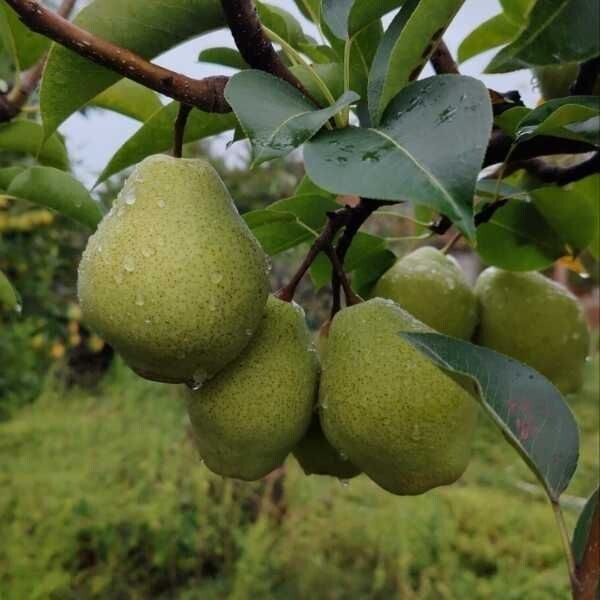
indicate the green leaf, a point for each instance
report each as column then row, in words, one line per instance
column 331, row 74
column 528, row 409
column 24, row 46
column 428, row 149
column 9, row 298
column 509, row 120
column 558, row 31
column 573, row 216
column 27, row 137
column 7, row 174
column 366, row 276
column 310, row 9
column 59, row 191
column 405, row 48
column 289, row 222
column 156, row 135
column 494, row 32
column 517, row 10
column 590, row 188
column 346, row 17
column 290, row 120
column 227, row 57
column 147, row 28
column 282, row 23
column 584, row 526
column 308, row 186
column 518, row 238
column 319, row 53
column 130, row 99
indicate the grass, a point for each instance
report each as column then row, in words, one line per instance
column 102, row 496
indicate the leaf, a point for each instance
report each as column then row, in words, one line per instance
column 517, row 10
column 367, row 275
column 130, row 99
column 289, row 222
column 9, row 297
column 156, row 135
column 310, row 9
column 526, row 407
column 59, row 191
column 228, row 57
column 584, row 526
column 319, row 53
column 346, row 17
column 147, row 28
column 494, row 32
column 24, row 46
column 558, row 31
column 428, row 149
column 290, row 120
column 26, row 137
column 331, row 74
column 405, row 48
column 509, row 120
column 282, row 23
column 590, row 188
column 7, row 174
column 518, row 238
column 573, row 216
column 307, row 186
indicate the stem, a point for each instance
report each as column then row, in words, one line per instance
column 179, row 129
column 451, row 243
column 351, row 297
column 564, row 536
column 347, row 50
column 442, row 61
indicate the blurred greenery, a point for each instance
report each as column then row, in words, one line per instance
column 102, row 496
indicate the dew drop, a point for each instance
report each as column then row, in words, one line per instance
column 161, row 204
column 148, row 321
column 129, row 264
column 344, row 482
column 129, row 197
column 416, row 432
column 343, row 455
column 118, row 278
column 139, row 300
column 199, row 377
column 121, row 211
column 147, row 252
column 212, row 306
column 216, row 278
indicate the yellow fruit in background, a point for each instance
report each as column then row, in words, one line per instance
column 432, row 287
column 57, row 350
column 173, row 278
column 249, row 417
column 95, row 343
column 535, row 320
column 403, row 421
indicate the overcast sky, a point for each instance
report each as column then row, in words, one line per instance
column 95, row 138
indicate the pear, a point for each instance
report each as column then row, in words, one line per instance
column 173, row 278
column 536, row 321
column 249, row 417
column 389, row 409
column 432, row 287
column 554, row 81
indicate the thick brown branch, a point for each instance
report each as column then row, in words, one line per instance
column 205, row 94
column 442, row 61
column 589, row 72
column 560, row 175
column 254, row 46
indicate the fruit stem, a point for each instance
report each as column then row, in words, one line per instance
column 179, row 129
column 564, row 536
column 451, row 243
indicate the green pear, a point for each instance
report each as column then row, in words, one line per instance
column 432, row 287
column 249, row 417
column 399, row 418
column 173, row 278
column 554, row 81
column 535, row 320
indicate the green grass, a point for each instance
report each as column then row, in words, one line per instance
column 102, row 496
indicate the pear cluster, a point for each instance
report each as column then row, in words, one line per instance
column 177, row 283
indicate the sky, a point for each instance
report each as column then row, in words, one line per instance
column 94, row 138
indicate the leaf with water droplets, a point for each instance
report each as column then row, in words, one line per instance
column 9, row 298
column 290, row 120
column 428, row 149
column 59, row 191
column 528, row 409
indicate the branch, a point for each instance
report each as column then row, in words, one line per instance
column 588, row 571
column 560, row 175
column 179, row 129
column 205, row 94
column 589, row 72
column 254, row 46
column 442, row 61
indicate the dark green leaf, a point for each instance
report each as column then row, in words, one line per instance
column 584, row 526
column 558, row 31
column 331, row 74
column 494, row 32
column 24, row 46
column 489, row 188
column 228, row 57
column 405, row 48
column 9, row 298
column 346, row 17
column 7, row 174
column 282, row 23
column 518, row 238
column 366, row 276
column 59, row 191
column 311, row 9
column 290, row 120
column 590, row 188
column 526, row 407
column 27, row 137
column 130, row 99
column 307, row 186
column 147, row 28
column 428, row 149
column 319, row 53
column 509, row 120
column 156, row 135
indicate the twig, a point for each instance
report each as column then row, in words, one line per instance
column 451, row 243
column 560, row 175
column 564, row 536
column 338, row 269
column 179, row 129
column 205, row 94
column 588, row 571
column 253, row 44
column 589, row 72
column 442, row 61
